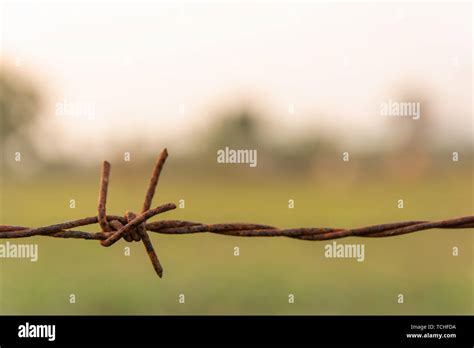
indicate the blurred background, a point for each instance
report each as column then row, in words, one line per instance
column 301, row 83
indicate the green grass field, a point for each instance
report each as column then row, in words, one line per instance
column 214, row 281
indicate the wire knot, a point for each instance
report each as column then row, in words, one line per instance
column 133, row 227
column 134, row 234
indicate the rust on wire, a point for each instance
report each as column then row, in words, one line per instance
column 135, row 228
column 104, row 185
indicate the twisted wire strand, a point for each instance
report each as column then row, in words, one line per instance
column 132, row 227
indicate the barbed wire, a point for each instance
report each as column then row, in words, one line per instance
column 132, row 227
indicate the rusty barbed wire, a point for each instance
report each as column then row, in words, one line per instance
column 132, row 227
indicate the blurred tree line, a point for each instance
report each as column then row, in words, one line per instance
column 20, row 105
column 314, row 154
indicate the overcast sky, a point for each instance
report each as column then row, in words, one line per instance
column 167, row 68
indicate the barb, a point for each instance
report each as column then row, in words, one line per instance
column 146, row 205
column 135, row 228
